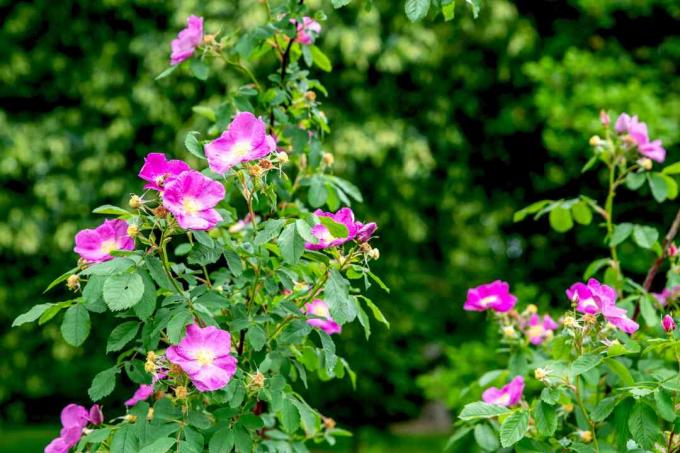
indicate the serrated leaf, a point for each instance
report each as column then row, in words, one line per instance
column 256, row 337
column 166, row 72
column 338, row 230
column 340, row 3
column 479, row 410
column 336, row 295
column 199, row 69
column 290, row 416
column 291, row 244
column 318, row 193
column 76, row 325
column 103, row 384
column 643, row 425
column 159, row 445
column 514, row 427
column 585, row 363
column 145, row 308
column 121, row 335
column 545, row 416
column 657, row 183
column 270, row 229
column 603, row 409
column 664, row 404
column 31, row 315
column 328, row 347
column 123, row 291
column 305, row 231
column 416, row 9
column 221, row 442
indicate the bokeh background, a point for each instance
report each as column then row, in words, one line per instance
column 447, row 128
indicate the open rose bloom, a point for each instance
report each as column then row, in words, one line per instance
column 321, row 317
column 187, row 40
column 344, row 216
column 204, row 354
column 74, row 419
column 244, row 140
column 307, row 31
column 157, row 170
column 637, row 131
column 540, row 329
column 508, row 395
column 96, row 245
column 595, row 298
column 191, row 197
column 494, row 296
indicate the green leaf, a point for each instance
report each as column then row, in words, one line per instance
column 123, row 291
column 159, row 445
column 533, row 208
column 582, row 213
column 620, row 370
column 635, row 180
column 76, row 325
column 320, row 59
column 256, row 337
column 336, row 294
column 460, row 433
column 176, row 324
column 514, row 427
column 603, row 409
column 305, row 231
column 416, row 9
column 103, row 384
column 664, row 404
column 340, row 3
column 125, row 440
column 328, row 347
column 338, row 230
column 291, row 244
column 647, row 310
column 645, row 236
column 449, row 11
column 199, row 69
column 377, row 314
column 479, row 410
column 193, row 146
column 155, row 268
column 546, row 419
column 643, row 425
column 560, row 219
column 486, row 437
column 318, row 193
column 672, row 169
column 63, row 277
column 234, row 262
column 270, row 229
column 474, row 5
column 109, row 209
column 657, row 183
column 115, row 266
column 31, row 315
column 671, row 185
column 97, row 436
column 290, row 416
column 585, row 363
column 221, row 442
column 166, row 72
column 550, row 395
column 620, row 233
column 145, row 308
column 121, row 335
column 205, row 112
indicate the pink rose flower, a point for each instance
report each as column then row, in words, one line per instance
column 495, row 296
column 96, row 416
column 637, row 130
column 667, row 323
column 322, row 319
column 307, row 30
column 598, row 298
column 187, row 40
column 509, row 395
column 95, row 246
column 667, row 294
column 539, row 329
column 244, row 140
column 365, row 232
column 74, row 418
column 344, row 216
column 157, row 170
column 142, row 393
column 205, row 356
column 191, row 198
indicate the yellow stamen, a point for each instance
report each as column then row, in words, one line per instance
column 205, row 357
column 191, row 205
column 109, row 246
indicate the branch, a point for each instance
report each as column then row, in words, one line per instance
column 647, row 285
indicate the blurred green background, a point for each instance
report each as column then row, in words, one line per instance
column 447, row 128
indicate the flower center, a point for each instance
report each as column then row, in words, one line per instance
column 488, row 300
column 109, row 246
column 536, row 331
column 320, row 311
column 191, row 205
column 205, row 357
column 503, row 400
column 241, row 148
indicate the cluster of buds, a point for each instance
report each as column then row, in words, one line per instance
column 370, row 252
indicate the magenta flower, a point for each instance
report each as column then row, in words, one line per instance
column 307, row 31
column 598, row 298
column 74, row 418
column 187, row 40
column 495, row 296
column 365, row 232
column 344, row 216
column 667, row 294
column 540, row 330
column 157, row 170
column 191, row 197
column 142, row 393
column 95, row 246
column 244, row 140
column 637, row 131
column 323, row 319
column 205, row 356
column 667, row 323
column 509, row 395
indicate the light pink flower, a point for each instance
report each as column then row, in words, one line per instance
column 95, row 246
column 539, row 329
column 157, row 170
column 365, row 232
column 74, row 418
column 205, row 356
column 187, row 40
column 307, row 31
column 244, row 140
column 598, row 298
column 322, row 319
column 637, row 131
column 509, row 395
column 142, row 393
column 344, row 216
column 667, row 323
column 495, row 296
column 191, row 198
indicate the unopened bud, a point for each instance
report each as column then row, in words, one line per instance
column 327, row 159
column 365, row 247
column 668, row 324
column 181, row 392
column 282, row 157
column 595, row 140
column 672, row 250
column 149, row 414
column 540, row 373
column 604, row 118
column 645, row 163
column 149, row 366
column 132, row 230
column 209, row 39
column 586, row 436
column 328, row 422
column 73, row 282
column 569, row 321
column 531, row 309
column 509, row 331
column 136, row 202
column 266, row 164
column 568, row 408
column 131, row 418
column 256, row 381
column 310, row 96
column 374, row 254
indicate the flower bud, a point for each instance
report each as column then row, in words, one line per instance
column 645, row 163
column 569, row 321
column 595, row 140
column 73, row 282
column 668, row 324
column 374, row 254
column 530, row 310
column 255, row 170
column 310, row 96
column 327, row 159
column 255, row 382
column 266, row 164
column 181, row 392
column 130, row 418
column 133, row 230
column 604, row 118
column 568, row 408
column 328, row 422
column 149, row 414
column 136, row 202
column 672, row 250
column 209, row 39
column 282, row 157
column 540, row 373
column 509, row 331
column 586, row 436
column 161, row 212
